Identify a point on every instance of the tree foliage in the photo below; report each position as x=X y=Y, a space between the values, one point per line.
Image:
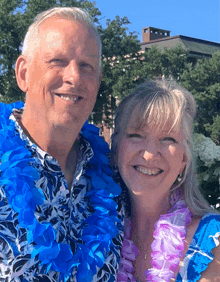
x=203 y=81
x=124 y=70
x=207 y=155
x=117 y=43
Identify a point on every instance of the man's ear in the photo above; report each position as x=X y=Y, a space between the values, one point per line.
x=21 y=73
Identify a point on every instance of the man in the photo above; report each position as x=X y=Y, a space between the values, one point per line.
x=58 y=219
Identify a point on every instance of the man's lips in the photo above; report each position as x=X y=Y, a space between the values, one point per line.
x=69 y=97
x=148 y=171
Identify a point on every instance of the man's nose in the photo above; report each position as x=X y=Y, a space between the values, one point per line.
x=72 y=74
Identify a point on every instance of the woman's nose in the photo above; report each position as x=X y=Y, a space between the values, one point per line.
x=150 y=151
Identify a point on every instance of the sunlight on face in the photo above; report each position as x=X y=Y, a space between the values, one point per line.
x=63 y=77
x=150 y=160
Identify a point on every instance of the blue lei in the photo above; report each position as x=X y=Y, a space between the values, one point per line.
x=18 y=179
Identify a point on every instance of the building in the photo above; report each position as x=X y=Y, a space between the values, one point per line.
x=196 y=48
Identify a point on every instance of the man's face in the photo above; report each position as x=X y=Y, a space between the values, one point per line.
x=63 y=77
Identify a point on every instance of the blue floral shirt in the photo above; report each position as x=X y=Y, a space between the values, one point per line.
x=199 y=253
x=65 y=210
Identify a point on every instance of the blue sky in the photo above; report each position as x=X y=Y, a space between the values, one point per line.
x=194 y=18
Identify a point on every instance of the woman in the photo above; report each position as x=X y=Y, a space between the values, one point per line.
x=171 y=233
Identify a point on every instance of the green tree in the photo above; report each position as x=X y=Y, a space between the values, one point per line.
x=123 y=71
x=214 y=129
x=174 y=61
x=207 y=155
x=202 y=81
x=119 y=47
x=11 y=30
x=133 y=69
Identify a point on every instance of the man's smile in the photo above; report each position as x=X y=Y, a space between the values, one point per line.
x=69 y=97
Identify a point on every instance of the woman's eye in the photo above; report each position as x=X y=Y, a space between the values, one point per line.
x=134 y=135
x=170 y=139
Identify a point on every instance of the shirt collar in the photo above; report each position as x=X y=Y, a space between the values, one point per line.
x=86 y=152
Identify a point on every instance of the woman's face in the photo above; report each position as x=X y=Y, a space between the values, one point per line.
x=150 y=159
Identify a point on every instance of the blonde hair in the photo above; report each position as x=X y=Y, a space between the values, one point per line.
x=32 y=39
x=156 y=104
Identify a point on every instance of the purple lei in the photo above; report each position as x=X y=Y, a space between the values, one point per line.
x=167 y=248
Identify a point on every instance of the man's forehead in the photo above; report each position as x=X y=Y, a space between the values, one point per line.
x=52 y=37
x=54 y=32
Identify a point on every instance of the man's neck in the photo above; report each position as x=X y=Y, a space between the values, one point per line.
x=60 y=143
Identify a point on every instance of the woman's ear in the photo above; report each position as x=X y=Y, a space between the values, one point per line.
x=184 y=163
x=21 y=73
x=185 y=159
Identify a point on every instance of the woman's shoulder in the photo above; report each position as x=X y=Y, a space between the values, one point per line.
x=209 y=239
x=208 y=228
x=212 y=272
x=203 y=254
x=206 y=231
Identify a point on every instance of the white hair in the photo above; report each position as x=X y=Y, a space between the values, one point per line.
x=32 y=39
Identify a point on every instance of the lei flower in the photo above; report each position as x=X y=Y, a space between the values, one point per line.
x=18 y=180
x=168 y=246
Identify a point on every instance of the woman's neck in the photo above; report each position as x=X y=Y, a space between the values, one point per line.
x=145 y=212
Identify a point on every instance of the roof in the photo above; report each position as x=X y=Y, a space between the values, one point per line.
x=194 y=47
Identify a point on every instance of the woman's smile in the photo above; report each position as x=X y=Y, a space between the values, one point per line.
x=148 y=171
x=149 y=159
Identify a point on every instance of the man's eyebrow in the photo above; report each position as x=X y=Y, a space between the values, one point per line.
x=49 y=55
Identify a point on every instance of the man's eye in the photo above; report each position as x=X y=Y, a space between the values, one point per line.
x=86 y=66
x=57 y=61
